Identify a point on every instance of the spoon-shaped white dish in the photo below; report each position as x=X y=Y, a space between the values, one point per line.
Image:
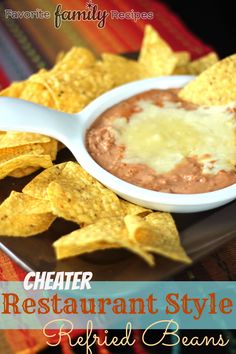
x=70 y=129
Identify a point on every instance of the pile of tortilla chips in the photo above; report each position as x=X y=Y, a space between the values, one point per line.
x=66 y=190
x=105 y=221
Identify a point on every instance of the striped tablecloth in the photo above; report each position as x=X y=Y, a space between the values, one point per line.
x=28 y=45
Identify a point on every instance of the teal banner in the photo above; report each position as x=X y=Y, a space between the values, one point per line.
x=119 y=305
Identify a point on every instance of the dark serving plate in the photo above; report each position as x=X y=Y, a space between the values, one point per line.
x=201 y=234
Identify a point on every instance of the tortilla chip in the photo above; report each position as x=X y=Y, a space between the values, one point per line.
x=183 y=58
x=23 y=161
x=19 y=203
x=14 y=90
x=38 y=93
x=50 y=148
x=38 y=186
x=11 y=139
x=8 y=153
x=132 y=209
x=214 y=86
x=76 y=59
x=71 y=92
x=22 y=172
x=30 y=92
x=120 y=69
x=22 y=215
x=105 y=233
x=68 y=176
x=157 y=233
x=71 y=84
x=156 y=56
x=51 y=88
x=78 y=197
x=196 y=67
x=24 y=225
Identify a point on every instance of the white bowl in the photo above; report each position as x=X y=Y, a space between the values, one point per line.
x=71 y=130
x=177 y=203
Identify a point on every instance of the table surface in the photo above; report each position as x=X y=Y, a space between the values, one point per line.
x=28 y=45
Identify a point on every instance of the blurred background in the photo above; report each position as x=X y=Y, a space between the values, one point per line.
x=212 y=21
x=26 y=45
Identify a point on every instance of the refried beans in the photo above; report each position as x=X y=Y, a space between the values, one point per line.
x=186 y=177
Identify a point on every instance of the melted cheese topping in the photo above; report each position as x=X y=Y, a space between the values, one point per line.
x=161 y=137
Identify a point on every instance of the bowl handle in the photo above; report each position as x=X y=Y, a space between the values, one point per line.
x=23 y=116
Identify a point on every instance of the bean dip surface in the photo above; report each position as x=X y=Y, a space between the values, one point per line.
x=157 y=141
